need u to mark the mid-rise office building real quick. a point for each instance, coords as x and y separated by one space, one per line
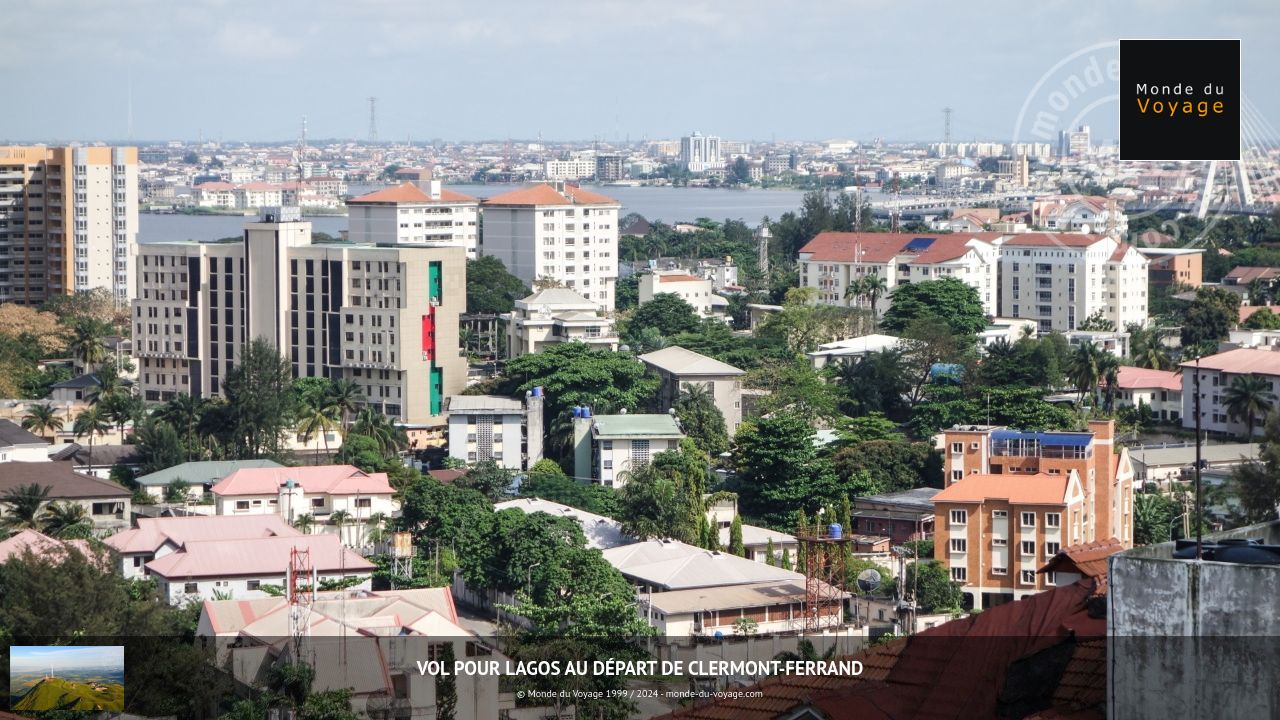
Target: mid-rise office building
385 318
409 215
556 232
609 168
699 153
68 221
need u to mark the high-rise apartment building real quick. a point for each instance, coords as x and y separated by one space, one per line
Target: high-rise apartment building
412 215
1075 143
700 152
1059 280
68 221
385 318
1014 498
609 168
556 232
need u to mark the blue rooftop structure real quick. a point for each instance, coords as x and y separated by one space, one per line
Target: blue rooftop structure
1021 443
919 244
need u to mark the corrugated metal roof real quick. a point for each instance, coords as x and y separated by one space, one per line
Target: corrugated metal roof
640 425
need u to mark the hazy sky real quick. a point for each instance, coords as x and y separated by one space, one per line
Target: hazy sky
570 69
30 658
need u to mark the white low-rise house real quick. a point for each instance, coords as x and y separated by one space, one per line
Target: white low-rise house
1216 373
607 447
237 569
1112 342
156 537
756 542
1164 465
1078 213
1010 330
680 369
602 532
319 491
1159 390
556 315
696 291
107 503
852 349
373 639
19 445
488 427
200 475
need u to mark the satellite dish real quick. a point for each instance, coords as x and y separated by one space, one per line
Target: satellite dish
869 579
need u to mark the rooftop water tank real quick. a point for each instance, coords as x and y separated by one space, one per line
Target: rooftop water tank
835 531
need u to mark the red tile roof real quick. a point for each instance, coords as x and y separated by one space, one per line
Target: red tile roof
409 193
1087 559
1121 250
882 247
544 194
1136 378
1037 489
322 479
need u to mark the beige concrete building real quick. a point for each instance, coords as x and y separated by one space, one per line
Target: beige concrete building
1216 373
556 315
1061 279
384 317
556 232
68 221
608 447
409 215
696 291
680 368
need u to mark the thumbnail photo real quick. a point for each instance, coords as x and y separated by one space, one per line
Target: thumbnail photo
48 678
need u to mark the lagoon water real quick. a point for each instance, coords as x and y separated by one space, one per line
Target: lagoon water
669 204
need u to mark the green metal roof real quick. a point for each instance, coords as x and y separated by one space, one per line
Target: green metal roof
200 473
640 426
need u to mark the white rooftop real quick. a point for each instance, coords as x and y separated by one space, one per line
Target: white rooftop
601 532
680 361
674 565
863 345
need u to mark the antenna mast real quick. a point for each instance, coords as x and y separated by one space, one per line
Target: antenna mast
373 119
946 126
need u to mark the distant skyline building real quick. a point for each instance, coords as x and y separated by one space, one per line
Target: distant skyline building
699 153
1075 143
385 318
68 221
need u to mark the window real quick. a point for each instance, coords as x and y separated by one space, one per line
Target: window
959 545
1028 577
1029 547
317 502
957 475
1051 549
999 571
608 464
959 517
999 514
606 444
1028 519
959 574
191 588
137 561
254 584
999 542
364 502
1053 520
242 505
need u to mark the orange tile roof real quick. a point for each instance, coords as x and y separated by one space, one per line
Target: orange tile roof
1065 239
409 193
1037 489
544 194
1121 250
678 278
1241 361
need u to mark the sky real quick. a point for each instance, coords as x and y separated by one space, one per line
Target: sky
33 658
575 69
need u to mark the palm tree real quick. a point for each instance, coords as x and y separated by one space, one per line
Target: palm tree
370 421
182 411
1148 348
108 383
873 286
91 421
855 289
304 523
1111 376
1248 396
121 408
86 344
340 518
42 419
66 520
24 503
345 397
376 528
1087 368
317 420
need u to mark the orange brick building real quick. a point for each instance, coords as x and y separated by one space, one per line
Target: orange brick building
1014 498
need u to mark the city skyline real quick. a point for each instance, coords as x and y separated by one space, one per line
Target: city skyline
611 71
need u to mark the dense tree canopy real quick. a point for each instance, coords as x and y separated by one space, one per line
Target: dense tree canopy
667 314
950 299
780 470
491 289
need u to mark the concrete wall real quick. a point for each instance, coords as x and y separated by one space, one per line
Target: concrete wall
1193 639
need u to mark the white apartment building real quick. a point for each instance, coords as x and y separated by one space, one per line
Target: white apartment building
556 232
699 153
68 221
1079 214
1216 374
383 317
833 261
578 168
694 290
1059 280
556 315
607 447
407 215
501 429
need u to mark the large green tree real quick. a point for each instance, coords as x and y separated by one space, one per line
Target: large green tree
1209 319
952 300
780 471
548 481
934 591
666 313
491 289
701 420
890 465
1257 484
663 499
259 394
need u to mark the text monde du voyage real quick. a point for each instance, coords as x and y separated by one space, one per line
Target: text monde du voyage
1180 99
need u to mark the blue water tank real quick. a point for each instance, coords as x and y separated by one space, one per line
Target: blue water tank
835 531
537 391
586 411
577 411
